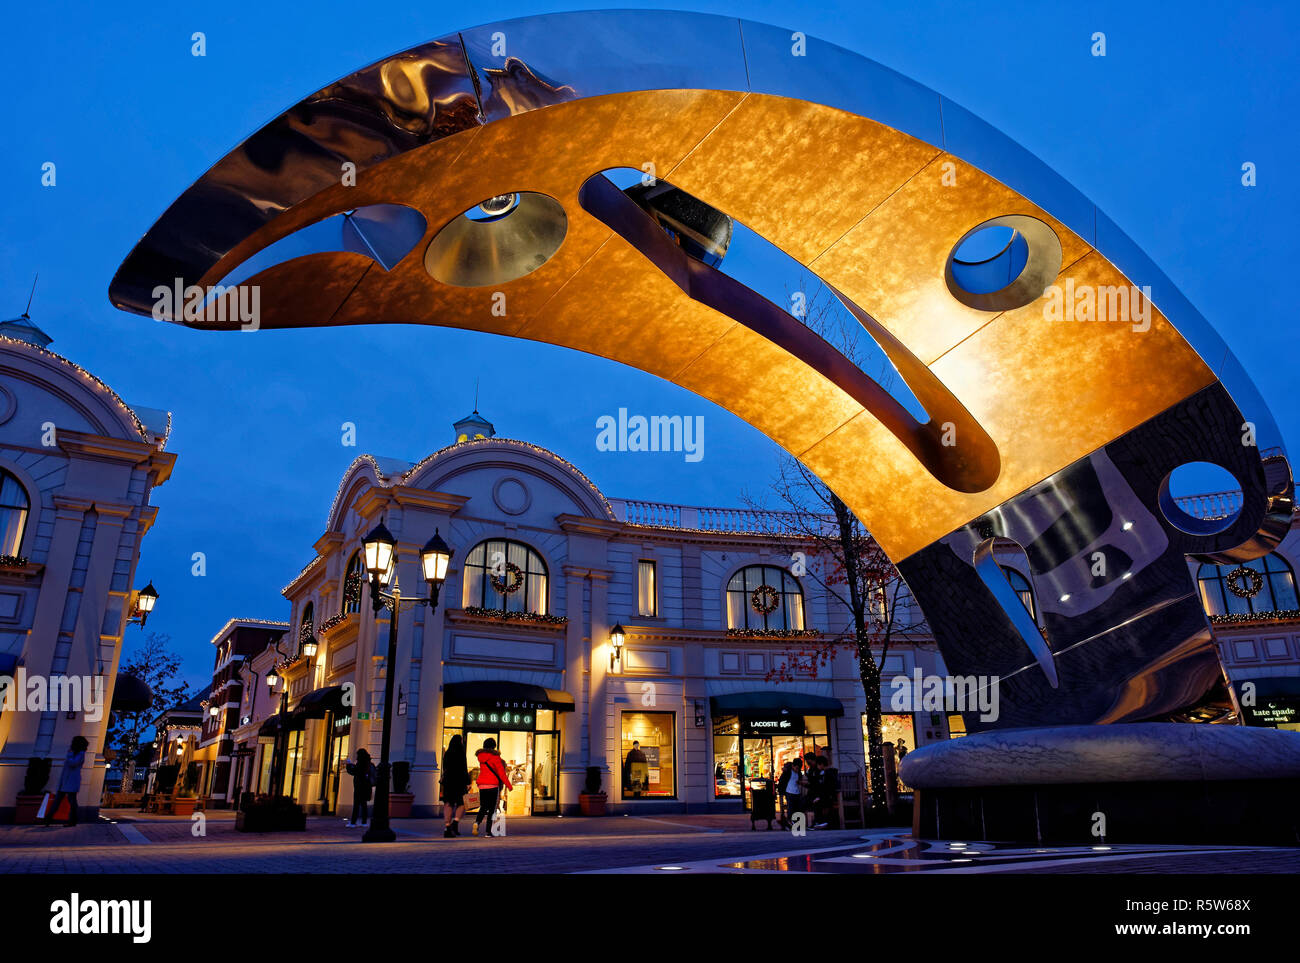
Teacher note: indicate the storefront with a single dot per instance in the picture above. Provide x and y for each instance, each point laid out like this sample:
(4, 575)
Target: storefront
(327, 705)
(1271, 702)
(281, 741)
(756, 733)
(525, 722)
(897, 729)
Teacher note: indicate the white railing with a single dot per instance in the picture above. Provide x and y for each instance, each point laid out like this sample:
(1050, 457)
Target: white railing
(1209, 506)
(1212, 505)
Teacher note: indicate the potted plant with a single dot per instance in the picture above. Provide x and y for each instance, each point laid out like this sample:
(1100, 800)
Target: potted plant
(266, 814)
(591, 801)
(399, 800)
(29, 800)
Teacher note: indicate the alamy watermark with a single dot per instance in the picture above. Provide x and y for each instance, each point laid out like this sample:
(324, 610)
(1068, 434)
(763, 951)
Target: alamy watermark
(684, 433)
(192, 303)
(945, 693)
(1115, 303)
(82, 694)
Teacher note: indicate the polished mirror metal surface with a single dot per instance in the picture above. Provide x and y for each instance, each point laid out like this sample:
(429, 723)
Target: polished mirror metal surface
(1049, 427)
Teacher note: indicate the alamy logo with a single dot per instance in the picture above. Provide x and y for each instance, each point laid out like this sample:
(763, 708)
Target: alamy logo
(56, 693)
(945, 693)
(191, 304)
(75, 916)
(684, 433)
(1118, 303)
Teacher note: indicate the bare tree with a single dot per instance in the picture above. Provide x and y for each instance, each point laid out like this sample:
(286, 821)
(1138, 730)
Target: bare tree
(153, 664)
(842, 556)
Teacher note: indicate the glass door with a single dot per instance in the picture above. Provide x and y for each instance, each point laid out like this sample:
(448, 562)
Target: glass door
(545, 772)
(755, 763)
(474, 739)
(333, 765)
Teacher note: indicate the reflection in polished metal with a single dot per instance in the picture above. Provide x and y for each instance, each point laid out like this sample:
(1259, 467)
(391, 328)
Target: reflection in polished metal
(995, 580)
(496, 241)
(1042, 263)
(1060, 430)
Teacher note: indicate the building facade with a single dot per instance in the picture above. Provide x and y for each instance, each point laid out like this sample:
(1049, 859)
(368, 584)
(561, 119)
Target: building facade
(720, 679)
(77, 466)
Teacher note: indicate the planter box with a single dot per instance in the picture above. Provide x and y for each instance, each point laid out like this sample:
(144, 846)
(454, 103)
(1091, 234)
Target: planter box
(25, 808)
(266, 821)
(399, 805)
(183, 806)
(592, 804)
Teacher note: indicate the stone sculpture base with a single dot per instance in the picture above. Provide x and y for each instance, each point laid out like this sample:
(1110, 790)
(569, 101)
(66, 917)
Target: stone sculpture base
(1135, 783)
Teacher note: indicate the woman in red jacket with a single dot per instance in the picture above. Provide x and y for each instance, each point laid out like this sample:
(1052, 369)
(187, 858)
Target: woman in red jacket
(492, 776)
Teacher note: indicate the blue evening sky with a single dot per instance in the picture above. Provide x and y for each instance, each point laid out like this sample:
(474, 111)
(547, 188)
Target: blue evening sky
(1155, 133)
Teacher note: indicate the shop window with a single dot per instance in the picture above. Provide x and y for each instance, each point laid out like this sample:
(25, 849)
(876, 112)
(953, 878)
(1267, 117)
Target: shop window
(648, 755)
(1268, 585)
(352, 584)
(764, 597)
(14, 506)
(898, 729)
(956, 725)
(647, 588)
(267, 747)
(505, 574)
(727, 775)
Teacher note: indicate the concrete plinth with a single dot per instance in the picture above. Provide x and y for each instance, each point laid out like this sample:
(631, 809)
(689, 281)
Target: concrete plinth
(1138, 783)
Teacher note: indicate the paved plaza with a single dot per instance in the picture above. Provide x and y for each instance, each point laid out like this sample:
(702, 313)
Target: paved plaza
(128, 842)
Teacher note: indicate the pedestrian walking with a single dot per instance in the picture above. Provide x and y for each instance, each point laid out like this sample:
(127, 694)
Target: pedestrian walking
(69, 781)
(452, 786)
(492, 777)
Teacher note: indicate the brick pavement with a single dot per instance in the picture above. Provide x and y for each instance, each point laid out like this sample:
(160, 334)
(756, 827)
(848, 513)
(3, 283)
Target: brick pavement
(152, 844)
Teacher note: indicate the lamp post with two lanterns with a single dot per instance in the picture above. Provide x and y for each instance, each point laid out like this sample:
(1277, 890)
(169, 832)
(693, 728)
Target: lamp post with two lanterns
(379, 550)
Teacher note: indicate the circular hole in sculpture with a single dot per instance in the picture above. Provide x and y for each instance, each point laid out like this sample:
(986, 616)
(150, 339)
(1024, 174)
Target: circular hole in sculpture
(1003, 263)
(499, 239)
(1201, 498)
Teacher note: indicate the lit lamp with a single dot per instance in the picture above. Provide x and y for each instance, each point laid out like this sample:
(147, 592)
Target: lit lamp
(272, 678)
(309, 646)
(435, 557)
(617, 638)
(214, 712)
(378, 549)
(145, 599)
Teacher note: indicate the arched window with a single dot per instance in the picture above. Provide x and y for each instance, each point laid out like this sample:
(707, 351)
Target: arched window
(1276, 593)
(14, 505)
(505, 574)
(353, 582)
(764, 597)
(307, 627)
(1020, 585)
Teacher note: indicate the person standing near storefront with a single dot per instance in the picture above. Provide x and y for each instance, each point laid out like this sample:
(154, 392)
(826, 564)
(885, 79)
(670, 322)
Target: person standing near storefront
(636, 771)
(364, 778)
(492, 777)
(813, 789)
(452, 786)
(70, 781)
(793, 787)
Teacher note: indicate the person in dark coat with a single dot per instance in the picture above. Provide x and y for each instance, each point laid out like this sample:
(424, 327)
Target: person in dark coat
(452, 786)
(69, 781)
(364, 776)
(636, 771)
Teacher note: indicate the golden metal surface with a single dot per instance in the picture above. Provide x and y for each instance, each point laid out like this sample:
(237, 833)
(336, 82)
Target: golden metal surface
(871, 210)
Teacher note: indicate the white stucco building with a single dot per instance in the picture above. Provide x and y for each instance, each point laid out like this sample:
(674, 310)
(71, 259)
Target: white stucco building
(77, 466)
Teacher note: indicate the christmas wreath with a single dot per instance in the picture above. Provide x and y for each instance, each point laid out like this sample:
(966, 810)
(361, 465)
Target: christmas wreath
(511, 581)
(764, 600)
(1244, 582)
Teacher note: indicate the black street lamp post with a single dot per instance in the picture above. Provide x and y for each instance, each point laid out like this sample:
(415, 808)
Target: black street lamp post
(381, 563)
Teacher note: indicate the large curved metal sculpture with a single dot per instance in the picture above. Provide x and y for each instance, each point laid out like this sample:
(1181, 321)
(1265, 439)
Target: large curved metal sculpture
(351, 208)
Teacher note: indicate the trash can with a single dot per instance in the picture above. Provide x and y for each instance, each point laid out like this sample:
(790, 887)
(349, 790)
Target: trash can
(762, 805)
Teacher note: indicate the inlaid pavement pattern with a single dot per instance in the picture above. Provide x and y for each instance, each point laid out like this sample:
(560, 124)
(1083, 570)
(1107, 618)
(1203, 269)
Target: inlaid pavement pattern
(128, 842)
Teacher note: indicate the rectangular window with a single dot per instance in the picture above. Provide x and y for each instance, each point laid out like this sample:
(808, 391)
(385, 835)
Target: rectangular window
(647, 587)
(648, 747)
(897, 729)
